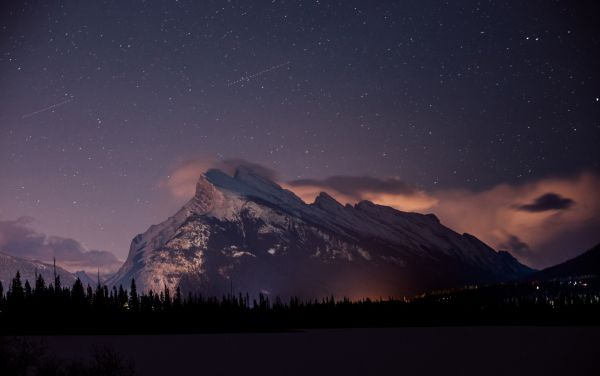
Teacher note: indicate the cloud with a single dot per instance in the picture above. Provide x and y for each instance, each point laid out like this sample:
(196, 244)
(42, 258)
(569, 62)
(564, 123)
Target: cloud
(229, 166)
(552, 235)
(539, 233)
(181, 183)
(17, 238)
(355, 186)
(350, 189)
(516, 246)
(548, 201)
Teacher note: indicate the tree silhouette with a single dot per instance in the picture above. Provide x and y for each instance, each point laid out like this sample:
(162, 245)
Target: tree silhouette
(28, 291)
(177, 298)
(40, 285)
(134, 302)
(73, 309)
(17, 294)
(57, 285)
(78, 294)
(122, 299)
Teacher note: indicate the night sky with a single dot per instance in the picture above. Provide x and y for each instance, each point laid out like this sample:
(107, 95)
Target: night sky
(486, 113)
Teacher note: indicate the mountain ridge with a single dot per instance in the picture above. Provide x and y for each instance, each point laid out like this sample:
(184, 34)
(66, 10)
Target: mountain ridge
(585, 264)
(28, 269)
(246, 228)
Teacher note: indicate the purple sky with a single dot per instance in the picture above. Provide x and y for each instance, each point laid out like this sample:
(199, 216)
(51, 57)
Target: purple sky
(102, 103)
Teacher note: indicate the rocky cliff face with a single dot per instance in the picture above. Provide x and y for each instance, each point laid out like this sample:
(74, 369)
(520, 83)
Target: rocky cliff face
(247, 234)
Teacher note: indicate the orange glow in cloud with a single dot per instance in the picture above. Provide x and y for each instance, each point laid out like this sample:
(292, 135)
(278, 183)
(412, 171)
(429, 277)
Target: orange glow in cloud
(417, 201)
(181, 183)
(494, 217)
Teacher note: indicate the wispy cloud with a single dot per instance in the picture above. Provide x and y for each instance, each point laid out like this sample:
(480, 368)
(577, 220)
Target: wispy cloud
(541, 222)
(181, 182)
(547, 201)
(390, 191)
(556, 218)
(18, 238)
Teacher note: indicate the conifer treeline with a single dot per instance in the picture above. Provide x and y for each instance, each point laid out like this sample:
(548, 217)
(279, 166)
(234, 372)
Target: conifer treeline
(21, 296)
(52, 307)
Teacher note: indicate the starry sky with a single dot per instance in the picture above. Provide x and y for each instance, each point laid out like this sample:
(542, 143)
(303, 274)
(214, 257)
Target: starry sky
(490, 105)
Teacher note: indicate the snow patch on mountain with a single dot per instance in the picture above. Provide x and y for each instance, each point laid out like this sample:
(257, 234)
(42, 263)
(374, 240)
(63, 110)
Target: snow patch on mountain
(29, 269)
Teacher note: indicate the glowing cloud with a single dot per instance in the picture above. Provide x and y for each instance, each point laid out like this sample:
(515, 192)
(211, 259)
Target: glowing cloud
(17, 238)
(390, 192)
(541, 222)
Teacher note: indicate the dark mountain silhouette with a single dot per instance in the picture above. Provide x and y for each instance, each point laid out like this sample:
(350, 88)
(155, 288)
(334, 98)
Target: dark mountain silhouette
(586, 264)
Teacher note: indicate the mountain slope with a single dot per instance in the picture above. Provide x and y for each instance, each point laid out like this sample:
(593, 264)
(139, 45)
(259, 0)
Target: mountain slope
(9, 265)
(245, 233)
(587, 263)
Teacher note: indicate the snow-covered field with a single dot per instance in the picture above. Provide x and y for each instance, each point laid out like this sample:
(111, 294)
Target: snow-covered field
(399, 351)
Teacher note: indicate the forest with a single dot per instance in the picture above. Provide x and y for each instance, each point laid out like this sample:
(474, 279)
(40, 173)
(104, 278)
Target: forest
(51, 308)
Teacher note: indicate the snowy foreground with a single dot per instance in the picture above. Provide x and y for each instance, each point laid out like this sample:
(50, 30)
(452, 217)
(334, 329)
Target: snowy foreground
(408, 351)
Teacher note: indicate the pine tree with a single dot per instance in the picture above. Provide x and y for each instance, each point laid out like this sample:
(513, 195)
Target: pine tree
(122, 297)
(157, 303)
(177, 299)
(57, 286)
(99, 298)
(16, 288)
(16, 294)
(167, 300)
(77, 293)
(2, 299)
(28, 291)
(40, 286)
(134, 302)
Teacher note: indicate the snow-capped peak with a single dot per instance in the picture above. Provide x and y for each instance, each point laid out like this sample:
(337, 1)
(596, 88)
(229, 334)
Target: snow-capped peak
(247, 183)
(247, 228)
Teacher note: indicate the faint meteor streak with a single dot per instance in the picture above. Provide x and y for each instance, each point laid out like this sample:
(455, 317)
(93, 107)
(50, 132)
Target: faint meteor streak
(247, 78)
(48, 108)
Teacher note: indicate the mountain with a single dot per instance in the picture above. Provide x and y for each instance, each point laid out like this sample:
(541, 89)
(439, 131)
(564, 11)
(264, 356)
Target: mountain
(9, 265)
(86, 279)
(244, 233)
(585, 264)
